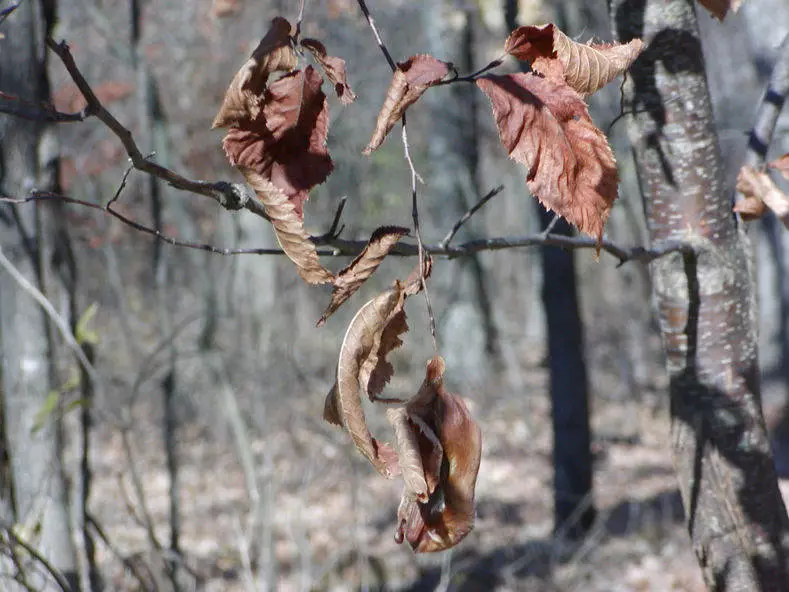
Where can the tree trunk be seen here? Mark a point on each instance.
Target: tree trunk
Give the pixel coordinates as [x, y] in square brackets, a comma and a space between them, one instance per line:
[39, 497]
[574, 510]
[705, 296]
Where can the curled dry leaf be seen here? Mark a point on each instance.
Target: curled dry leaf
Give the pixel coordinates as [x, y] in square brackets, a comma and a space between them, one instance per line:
[408, 454]
[781, 165]
[757, 185]
[585, 67]
[362, 366]
[719, 8]
[448, 515]
[545, 126]
[289, 229]
[244, 95]
[333, 68]
[411, 79]
[350, 279]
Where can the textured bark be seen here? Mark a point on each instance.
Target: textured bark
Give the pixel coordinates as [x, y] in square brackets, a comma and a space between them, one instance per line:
[38, 492]
[705, 297]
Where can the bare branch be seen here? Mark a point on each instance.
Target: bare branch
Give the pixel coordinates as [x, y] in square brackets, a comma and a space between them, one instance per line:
[24, 109]
[231, 196]
[465, 217]
[15, 539]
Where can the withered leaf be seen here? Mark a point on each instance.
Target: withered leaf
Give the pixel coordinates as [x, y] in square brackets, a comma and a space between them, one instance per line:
[411, 79]
[781, 164]
[585, 67]
[245, 93]
[372, 334]
[545, 126]
[289, 227]
[719, 8]
[333, 68]
[757, 185]
[408, 454]
[448, 515]
[350, 279]
[286, 142]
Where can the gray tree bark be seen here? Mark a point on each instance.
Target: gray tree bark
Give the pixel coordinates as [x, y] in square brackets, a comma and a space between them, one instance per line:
[39, 496]
[705, 296]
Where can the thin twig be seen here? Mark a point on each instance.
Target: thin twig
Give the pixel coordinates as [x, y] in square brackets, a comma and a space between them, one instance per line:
[232, 196]
[61, 324]
[33, 552]
[299, 19]
[370, 21]
[127, 563]
[6, 12]
[551, 225]
[470, 212]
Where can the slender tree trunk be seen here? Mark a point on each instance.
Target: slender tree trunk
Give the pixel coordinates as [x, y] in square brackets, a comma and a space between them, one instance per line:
[39, 497]
[574, 510]
[736, 519]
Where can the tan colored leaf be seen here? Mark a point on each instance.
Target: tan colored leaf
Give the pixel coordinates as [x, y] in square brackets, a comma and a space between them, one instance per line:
[750, 208]
[448, 515]
[362, 367]
[350, 279]
[408, 454]
[585, 67]
[289, 227]
[225, 8]
[546, 127]
[411, 79]
[333, 68]
[756, 184]
[244, 95]
[719, 8]
[781, 165]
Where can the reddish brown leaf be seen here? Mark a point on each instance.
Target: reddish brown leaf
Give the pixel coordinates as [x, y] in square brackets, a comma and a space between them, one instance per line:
[546, 127]
[245, 93]
[757, 185]
[411, 79]
[781, 165]
[448, 515]
[750, 208]
[286, 142]
[719, 8]
[408, 454]
[333, 68]
[350, 279]
[585, 67]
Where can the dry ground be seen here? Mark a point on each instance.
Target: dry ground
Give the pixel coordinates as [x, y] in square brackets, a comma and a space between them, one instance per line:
[328, 506]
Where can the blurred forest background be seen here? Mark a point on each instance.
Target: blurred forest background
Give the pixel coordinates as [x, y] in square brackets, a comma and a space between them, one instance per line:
[211, 467]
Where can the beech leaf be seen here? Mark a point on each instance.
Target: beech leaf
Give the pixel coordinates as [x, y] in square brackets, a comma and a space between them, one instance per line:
[545, 126]
[350, 279]
[408, 454]
[757, 185]
[409, 81]
[585, 67]
[719, 8]
[448, 515]
[333, 68]
[362, 366]
[781, 165]
[289, 228]
[244, 95]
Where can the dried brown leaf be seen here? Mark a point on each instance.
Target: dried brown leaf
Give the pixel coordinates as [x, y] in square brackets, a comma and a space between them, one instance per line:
[244, 95]
[546, 127]
[408, 453]
[333, 68]
[350, 279]
[411, 79]
[448, 515]
[755, 184]
[289, 227]
[781, 165]
[362, 367]
[719, 8]
[585, 67]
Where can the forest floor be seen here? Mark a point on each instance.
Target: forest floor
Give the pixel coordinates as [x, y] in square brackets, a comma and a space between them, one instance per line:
[330, 515]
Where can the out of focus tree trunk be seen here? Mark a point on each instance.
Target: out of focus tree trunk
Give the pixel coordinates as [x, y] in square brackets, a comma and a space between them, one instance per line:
[574, 510]
[705, 296]
[39, 494]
